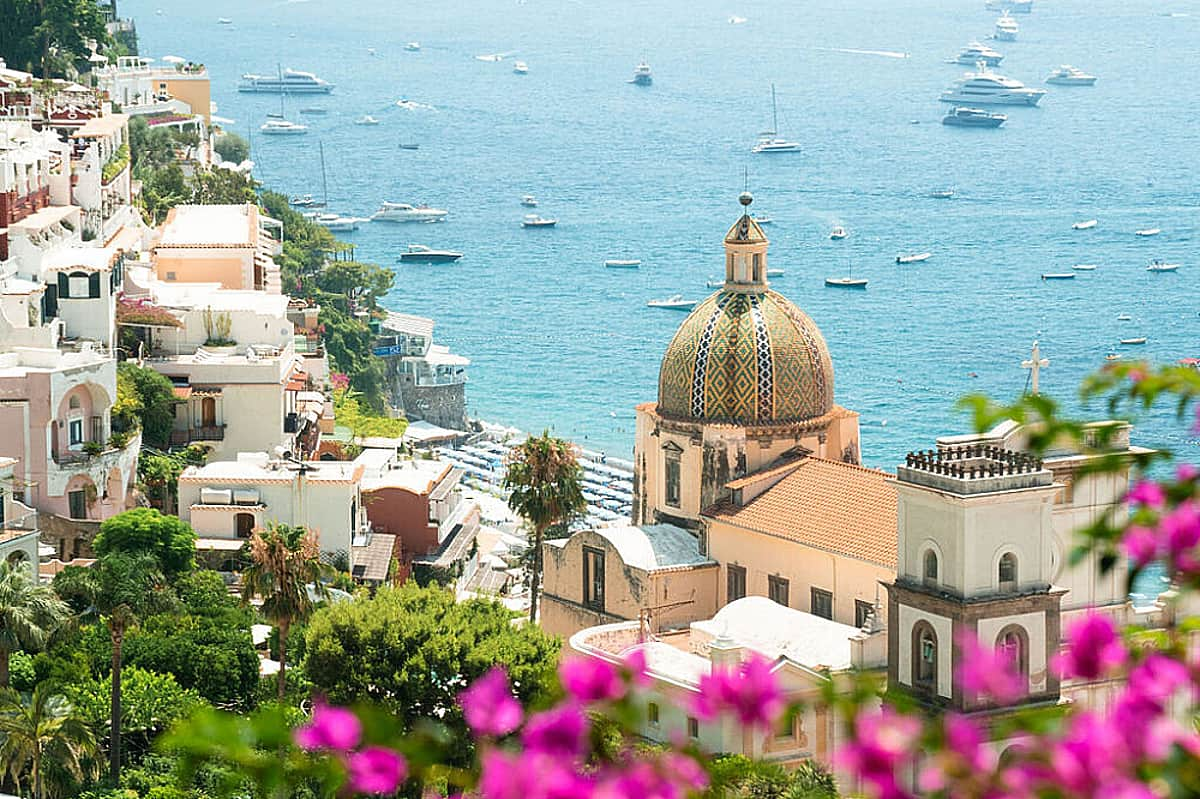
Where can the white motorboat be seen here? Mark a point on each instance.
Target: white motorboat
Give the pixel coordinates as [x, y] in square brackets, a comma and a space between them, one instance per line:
[715, 284]
[276, 126]
[846, 282]
[1133, 341]
[529, 201]
[774, 272]
[521, 68]
[1006, 29]
[289, 81]
[1159, 266]
[941, 194]
[985, 87]
[769, 141]
[913, 259]
[1150, 231]
[675, 302]
[1067, 75]
[412, 105]
[838, 233]
[366, 120]
[962, 117]
[533, 220]
[975, 52]
[1124, 317]
[642, 76]
[622, 263]
[419, 253]
[762, 219]
[403, 212]
[1058, 276]
[224, 21]
[337, 224]
[1087, 224]
[305, 201]
[412, 47]
[1084, 267]
[490, 57]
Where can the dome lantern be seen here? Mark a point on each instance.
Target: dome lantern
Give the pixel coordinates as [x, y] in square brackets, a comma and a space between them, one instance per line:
[746, 252]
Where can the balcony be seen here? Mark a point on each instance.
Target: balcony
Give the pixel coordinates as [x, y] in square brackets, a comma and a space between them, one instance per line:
[18, 526]
[215, 432]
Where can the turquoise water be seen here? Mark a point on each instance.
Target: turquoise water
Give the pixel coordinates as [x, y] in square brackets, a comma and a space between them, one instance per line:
[558, 341]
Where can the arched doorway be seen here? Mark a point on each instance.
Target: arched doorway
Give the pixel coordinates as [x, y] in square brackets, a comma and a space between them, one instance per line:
[243, 524]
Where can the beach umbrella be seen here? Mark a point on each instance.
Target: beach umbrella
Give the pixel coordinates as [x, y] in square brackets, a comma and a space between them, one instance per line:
[174, 59]
[96, 58]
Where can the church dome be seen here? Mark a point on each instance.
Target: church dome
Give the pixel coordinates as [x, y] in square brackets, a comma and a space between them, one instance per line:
[746, 355]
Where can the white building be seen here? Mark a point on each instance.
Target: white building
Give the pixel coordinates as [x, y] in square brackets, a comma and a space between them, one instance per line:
[18, 523]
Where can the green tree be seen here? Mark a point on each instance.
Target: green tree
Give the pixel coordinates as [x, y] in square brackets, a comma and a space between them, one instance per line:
[150, 704]
[49, 36]
[169, 539]
[285, 572]
[363, 283]
[145, 399]
[46, 730]
[29, 613]
[543, 481]
[222, 187]
[232, 147]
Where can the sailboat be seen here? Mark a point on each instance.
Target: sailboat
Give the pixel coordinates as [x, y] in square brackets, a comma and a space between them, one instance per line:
[769, 141]
[330, 221]
[848, 282]
[277, 125]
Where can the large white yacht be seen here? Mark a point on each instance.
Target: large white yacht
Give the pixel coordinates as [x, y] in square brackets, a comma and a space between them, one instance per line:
[642, 75]
[1006, 29]
[403, 212]
[1067, 75]
[277, 126]
[987, 88]
[290, 81]
[975, 52]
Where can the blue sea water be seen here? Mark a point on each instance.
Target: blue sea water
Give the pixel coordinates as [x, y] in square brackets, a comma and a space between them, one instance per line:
[557, 341]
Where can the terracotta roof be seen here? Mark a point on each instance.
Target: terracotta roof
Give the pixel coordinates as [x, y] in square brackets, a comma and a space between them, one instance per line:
[829, 505]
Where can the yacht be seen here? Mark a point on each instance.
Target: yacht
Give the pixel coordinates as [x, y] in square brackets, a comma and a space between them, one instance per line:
[366, 120]
[337, 224]
[642, 75]
[942, 194]
[521, 68]
[1067, 75]
[913, 259]
[1087, 224]
[622, 263]
[777, 272]
[963, 117]
[306, 201]
[762, 219]
[533, 220]
[412, 47]
[987, 88]
[975, 52]
[715, 284]
[224, 21]
[419, 253]
[1159, 266]
[1124, 317]
[769, 141]
[1058, 276]
[403, 212]
[290, 81]
[675, 302]
[838, 233]
[277, 126]
[1150, 231]
[1006, 29]
[529, 201]
[1084, 267]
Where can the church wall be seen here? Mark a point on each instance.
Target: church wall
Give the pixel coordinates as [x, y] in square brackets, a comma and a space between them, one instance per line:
[1034, 625]
[902, 634]
[1017, 523]
[1080, 502]
[926, 521]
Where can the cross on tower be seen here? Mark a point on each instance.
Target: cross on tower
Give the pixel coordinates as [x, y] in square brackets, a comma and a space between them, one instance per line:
[1035, 364]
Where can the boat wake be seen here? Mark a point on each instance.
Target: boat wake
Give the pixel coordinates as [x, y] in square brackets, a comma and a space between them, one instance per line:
[884, 53]
[411, 105]
[736, 20]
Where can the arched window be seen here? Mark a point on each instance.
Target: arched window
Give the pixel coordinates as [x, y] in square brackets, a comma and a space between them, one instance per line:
[930, 572]
[1013, 643]
[17, 558]
[73, 403]
[243, 524]
[1007, 572]
[924, 657]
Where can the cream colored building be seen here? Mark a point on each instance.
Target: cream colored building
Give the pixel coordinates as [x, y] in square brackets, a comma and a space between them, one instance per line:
[225, 244]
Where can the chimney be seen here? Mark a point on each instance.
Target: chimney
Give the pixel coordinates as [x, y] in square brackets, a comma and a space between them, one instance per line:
[724, 652]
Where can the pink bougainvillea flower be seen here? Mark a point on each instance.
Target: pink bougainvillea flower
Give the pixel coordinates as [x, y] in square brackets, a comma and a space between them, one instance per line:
[1181, 534]
[1147, 493]
[635, 662]
[1140, 545]
[1187, 472]
[589, 679]
[488, 705]
[531, 775]
[750, 692]
[334, 728]
[559, 732]
[376, 770]
[988, 671]
[1095, 648]
[883, 743]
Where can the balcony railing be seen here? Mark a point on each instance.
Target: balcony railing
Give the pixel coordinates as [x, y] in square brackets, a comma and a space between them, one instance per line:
[19, 525]
[214, 432]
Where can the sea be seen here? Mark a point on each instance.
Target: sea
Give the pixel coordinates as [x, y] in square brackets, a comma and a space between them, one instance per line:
[559, 342]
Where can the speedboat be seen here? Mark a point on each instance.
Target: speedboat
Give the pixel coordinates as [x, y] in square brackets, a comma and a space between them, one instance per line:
[838, 233]
[224, 21]
[529, 201]
[305, 201]
[419, 253]
[1006, 29]
[521, 68]
[1067, 75]
[403, 212]
[490, 57]
[622, 263]
[1124, 317]
[1159, 266]
[1113, 356]
[335, 223]
[1134, 341]
[1085, 225]
[403, 146]
[775, 273]
[290, 81]
[762, 219]
[913, 259]
[964, 117]
[675, 302]
[314, 110]
[275, 126]
[642, 75]
[975, 52]
[412, 47]
[942, 194]
[533, 220]
[412, 105]
[715, 284]
[1058, 276]
[985, 87]
[1150, 231]
[1084, 267]
[846, 282]
[366, 120]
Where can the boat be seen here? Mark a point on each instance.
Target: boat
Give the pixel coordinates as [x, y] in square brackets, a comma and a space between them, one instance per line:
[337, 224]
[846, 282]
[1134, 341]
[224, 21]
[774, 272]
[1058, 276]
[305, 201]
[412, 47]
[1150, 231]
[314, 110]
[985, 87]
[762, 219]
[289, 81]
[1084, 267]
[490, 57]
[642, 75]
[963, 117]
[529, 201]
[1113, 356]
[533, 220]
[838, 233]
[769, 141]
[521, 68]
[975, 52]
[370, 51]
[1006, 29]
[1085, 225]
[942, 194]
[419, 253]
[412, 105]
[409, 146]
[622, 263]
[913, 259]
[715, 284]
[403, 212]
[366, 120]
[274, 126]
[1159, 266]
[675, 302]
[1067, 75]
[1124, 317]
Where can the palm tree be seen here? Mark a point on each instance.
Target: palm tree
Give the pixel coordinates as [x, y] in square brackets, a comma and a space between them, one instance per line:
[285, 561]
[543, 484]
[46, 729]
[29, 613]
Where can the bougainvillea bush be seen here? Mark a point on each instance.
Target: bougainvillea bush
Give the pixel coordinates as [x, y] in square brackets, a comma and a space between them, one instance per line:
[1142, 745]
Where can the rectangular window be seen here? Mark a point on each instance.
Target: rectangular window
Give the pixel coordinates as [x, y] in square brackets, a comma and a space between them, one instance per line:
[736, 585]
[652, 713]
[693, 728]
[757, 268]
[786, 727]
[98, 429]
[593, 578]
[822, 603]
[75, 432]
[702, 544]
[672, 482]
[77, 502]
[777, 590]
[862, 609]
[78, 285]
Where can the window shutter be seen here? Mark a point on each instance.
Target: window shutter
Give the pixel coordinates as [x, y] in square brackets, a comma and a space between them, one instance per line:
[94, 285]
[64, 285]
